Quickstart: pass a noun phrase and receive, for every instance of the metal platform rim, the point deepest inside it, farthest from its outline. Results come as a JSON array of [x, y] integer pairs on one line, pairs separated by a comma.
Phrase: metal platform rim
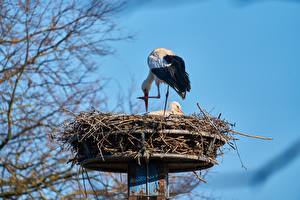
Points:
[[176, 162]]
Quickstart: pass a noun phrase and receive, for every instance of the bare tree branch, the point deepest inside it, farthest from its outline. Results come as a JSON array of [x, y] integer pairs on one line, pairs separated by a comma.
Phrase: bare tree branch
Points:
[[47, 53]]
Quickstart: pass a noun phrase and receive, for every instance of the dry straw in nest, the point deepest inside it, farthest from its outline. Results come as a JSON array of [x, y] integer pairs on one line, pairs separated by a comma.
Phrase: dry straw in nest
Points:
[[95, 134]]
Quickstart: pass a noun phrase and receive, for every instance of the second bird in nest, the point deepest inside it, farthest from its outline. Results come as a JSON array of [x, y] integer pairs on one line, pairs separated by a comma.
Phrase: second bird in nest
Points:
[[174, 109]]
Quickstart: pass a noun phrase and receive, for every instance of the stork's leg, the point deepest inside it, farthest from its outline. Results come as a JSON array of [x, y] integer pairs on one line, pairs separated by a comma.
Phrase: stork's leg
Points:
[[152, 97], [166, 101], [158, 93]]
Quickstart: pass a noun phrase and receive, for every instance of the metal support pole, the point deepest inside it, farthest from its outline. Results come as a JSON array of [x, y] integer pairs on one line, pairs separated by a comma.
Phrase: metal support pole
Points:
[[148, 182]]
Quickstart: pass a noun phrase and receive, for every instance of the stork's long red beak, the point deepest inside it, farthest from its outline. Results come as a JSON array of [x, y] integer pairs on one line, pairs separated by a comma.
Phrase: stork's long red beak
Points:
[[146, 100]]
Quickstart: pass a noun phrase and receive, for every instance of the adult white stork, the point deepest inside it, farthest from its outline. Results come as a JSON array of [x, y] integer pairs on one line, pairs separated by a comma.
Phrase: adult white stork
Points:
[[165, 67]]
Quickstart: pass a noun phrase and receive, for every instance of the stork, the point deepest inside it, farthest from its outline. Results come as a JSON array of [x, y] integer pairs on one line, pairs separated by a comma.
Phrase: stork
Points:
[[174, 109], [165, 67]]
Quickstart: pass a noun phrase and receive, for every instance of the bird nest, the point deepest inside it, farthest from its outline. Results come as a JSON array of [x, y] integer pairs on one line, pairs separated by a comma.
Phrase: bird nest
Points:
[[107, 141]]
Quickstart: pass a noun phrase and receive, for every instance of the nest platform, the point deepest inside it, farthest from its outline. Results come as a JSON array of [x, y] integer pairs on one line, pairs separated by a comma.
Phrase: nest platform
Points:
[[110, 142]]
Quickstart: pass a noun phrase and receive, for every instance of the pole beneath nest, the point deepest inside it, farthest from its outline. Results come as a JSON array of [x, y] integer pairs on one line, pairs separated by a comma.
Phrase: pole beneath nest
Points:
[[147, 181]]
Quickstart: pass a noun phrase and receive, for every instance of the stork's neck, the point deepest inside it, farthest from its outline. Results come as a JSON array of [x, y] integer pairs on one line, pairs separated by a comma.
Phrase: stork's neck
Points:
[[148, 81]]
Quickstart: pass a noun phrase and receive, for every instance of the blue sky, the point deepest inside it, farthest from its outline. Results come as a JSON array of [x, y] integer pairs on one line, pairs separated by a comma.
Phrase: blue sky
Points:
[[243, 61]]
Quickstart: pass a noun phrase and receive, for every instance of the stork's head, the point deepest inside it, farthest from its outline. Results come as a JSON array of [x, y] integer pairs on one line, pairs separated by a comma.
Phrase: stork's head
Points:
[[146, 88], [176, 108], [161, 52]]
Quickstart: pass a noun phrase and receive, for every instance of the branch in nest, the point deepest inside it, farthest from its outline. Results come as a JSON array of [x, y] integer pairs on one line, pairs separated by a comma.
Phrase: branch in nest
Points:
[[251, 136]]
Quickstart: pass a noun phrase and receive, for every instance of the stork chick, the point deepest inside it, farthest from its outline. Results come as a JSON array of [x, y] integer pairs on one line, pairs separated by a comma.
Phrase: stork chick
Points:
[[174, 109]]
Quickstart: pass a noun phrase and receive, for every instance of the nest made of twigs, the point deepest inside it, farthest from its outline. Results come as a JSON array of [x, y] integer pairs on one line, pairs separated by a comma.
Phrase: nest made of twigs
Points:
[[100, 135]]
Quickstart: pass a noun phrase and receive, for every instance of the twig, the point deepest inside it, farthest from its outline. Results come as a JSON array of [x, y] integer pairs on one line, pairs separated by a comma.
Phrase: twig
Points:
[[83, 179], [251, 136], [238, 153], [92, 186], [207, 117], [199, 178]]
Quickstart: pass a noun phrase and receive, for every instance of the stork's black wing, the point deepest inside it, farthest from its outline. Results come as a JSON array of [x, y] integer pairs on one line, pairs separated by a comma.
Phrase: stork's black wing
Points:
[[174, 74]]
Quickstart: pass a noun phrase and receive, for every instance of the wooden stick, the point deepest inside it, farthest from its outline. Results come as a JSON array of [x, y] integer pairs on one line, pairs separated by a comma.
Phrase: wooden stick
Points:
[[199, 178], [234, 131], [207, 117], [251, 136]]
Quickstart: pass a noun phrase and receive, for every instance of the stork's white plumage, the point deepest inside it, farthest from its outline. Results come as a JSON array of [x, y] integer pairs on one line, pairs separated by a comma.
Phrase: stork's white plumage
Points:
[[165, 67], [174, 109]]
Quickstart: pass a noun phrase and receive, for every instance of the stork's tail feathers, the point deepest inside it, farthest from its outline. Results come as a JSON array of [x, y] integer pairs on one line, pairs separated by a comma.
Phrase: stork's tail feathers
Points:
[[182, 94], [184, 86]]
